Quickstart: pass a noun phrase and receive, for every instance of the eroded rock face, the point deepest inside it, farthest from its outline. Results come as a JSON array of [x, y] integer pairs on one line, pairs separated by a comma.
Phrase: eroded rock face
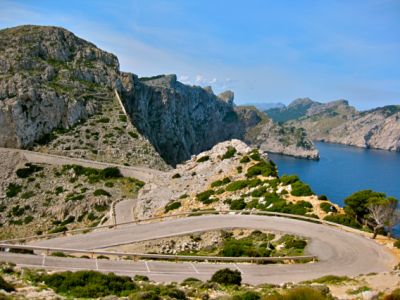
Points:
[[178, 119], [46, 75], [340, 123]]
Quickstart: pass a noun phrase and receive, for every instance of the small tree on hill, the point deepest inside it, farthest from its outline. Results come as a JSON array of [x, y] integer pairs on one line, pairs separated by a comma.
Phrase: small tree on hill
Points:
[[384, 211], [357, 203]]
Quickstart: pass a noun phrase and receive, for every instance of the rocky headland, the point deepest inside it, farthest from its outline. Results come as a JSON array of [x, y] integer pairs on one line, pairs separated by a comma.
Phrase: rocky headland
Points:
[[51, 81]]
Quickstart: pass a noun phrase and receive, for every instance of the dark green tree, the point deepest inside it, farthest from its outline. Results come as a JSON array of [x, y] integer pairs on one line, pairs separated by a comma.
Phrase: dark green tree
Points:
[[357, 203]]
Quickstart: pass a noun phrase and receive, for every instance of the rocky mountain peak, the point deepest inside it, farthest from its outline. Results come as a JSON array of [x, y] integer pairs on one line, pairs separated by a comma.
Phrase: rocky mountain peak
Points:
[[227, 96], [302, 102]]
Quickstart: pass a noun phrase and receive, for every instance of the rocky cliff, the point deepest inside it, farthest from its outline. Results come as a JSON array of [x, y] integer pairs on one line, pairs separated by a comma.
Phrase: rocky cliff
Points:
[[337, 122], [57, 96]]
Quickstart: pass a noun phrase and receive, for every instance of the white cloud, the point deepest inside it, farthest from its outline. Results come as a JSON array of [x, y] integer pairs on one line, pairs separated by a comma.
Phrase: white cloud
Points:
[[200, 79], [184, 78], [213, 81], [228, 79]]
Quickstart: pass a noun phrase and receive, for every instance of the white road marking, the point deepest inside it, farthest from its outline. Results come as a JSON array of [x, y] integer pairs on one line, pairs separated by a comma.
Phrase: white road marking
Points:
[[148, 270], [239, 269], [97, 266], [194, 268], [44, 256]]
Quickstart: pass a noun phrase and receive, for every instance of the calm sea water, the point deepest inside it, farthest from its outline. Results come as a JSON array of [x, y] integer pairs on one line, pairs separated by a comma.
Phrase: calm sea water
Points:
[[344, 170]]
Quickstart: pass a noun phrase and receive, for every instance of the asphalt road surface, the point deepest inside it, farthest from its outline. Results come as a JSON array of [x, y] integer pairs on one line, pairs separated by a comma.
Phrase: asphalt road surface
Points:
[[340, 252], [124, 210]]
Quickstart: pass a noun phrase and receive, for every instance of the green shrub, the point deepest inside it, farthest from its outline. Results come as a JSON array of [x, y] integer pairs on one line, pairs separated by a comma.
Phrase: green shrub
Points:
[[28, 219], [134, 135], [17, 211], [184, 196], [262, 168], [173, 293], [237, 185], [227, 277], [26, 172], [245, 159], [59, 229], [397, 244], [233, 249], [301, 189], [58, 254], [297, 244], [141, 278], [70, 219], [92, 217], [21, 251], [203, 159], [325, 206], [103, 257], [286, 180], [177, 175], [27, 195], [344, 220], [148, 295], [237, 204], [101, 208], [220, 191], [103, 120], [250, 295], [256, 157], [89, 284], [109, 184], [4, 285], [101, 192], [218, 183], [173, 206], [300, 294], [322, 197], [205, 195], [123, 118], [13, 190], [239, 169], [230, 152], [110, 173]]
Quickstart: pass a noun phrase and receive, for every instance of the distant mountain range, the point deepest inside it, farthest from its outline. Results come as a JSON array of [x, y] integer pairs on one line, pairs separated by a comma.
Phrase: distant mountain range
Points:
[[264, 106], [338, 122]]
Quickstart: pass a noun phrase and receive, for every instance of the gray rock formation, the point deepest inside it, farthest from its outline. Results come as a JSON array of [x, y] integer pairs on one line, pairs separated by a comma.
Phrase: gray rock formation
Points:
[[340, 123], [52, 81]]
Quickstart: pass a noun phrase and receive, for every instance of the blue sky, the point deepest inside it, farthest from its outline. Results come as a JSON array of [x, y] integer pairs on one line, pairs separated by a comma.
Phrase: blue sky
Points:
[[264, 51]]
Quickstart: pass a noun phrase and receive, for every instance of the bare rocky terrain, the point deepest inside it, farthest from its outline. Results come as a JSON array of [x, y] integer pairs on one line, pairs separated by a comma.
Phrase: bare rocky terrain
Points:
[[338, 122]]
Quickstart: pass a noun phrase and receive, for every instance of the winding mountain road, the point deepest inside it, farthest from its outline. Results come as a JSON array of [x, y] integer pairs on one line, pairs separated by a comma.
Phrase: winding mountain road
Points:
[[339, 252]]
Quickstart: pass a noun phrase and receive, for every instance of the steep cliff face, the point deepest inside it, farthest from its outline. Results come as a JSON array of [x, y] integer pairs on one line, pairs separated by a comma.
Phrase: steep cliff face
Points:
[[178, 119], [340, 123], [46, 77]]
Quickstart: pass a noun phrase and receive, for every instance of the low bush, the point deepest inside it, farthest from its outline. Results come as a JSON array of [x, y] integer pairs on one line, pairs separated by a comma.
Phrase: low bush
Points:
[[237, 204], [230, 152], [173, 206], [237, 185], [218, 183], [134, 135], [123, 118], [239, 169], [141, 278], [322, 197], [101, 208], [28, 195], [13, 190], [297, 244], [397, 244], [250, 295], [262, 168], [220, 191], [101, 192], [344, 220], [177, 175], [227, 277], [184, 196], [109, 184], [300, 294], [70, 219], [89, 284], [28, 219], [4, 285], [21, 251], [203, 159], [245, 159], [26, 172], [58, 229], [205, 195], [286, 180], [325, 206], [256, 157], [301, 189], [103, 120]]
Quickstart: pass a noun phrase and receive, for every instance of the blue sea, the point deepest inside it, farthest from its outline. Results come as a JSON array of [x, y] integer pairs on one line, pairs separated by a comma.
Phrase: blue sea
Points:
[[343, 170]]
